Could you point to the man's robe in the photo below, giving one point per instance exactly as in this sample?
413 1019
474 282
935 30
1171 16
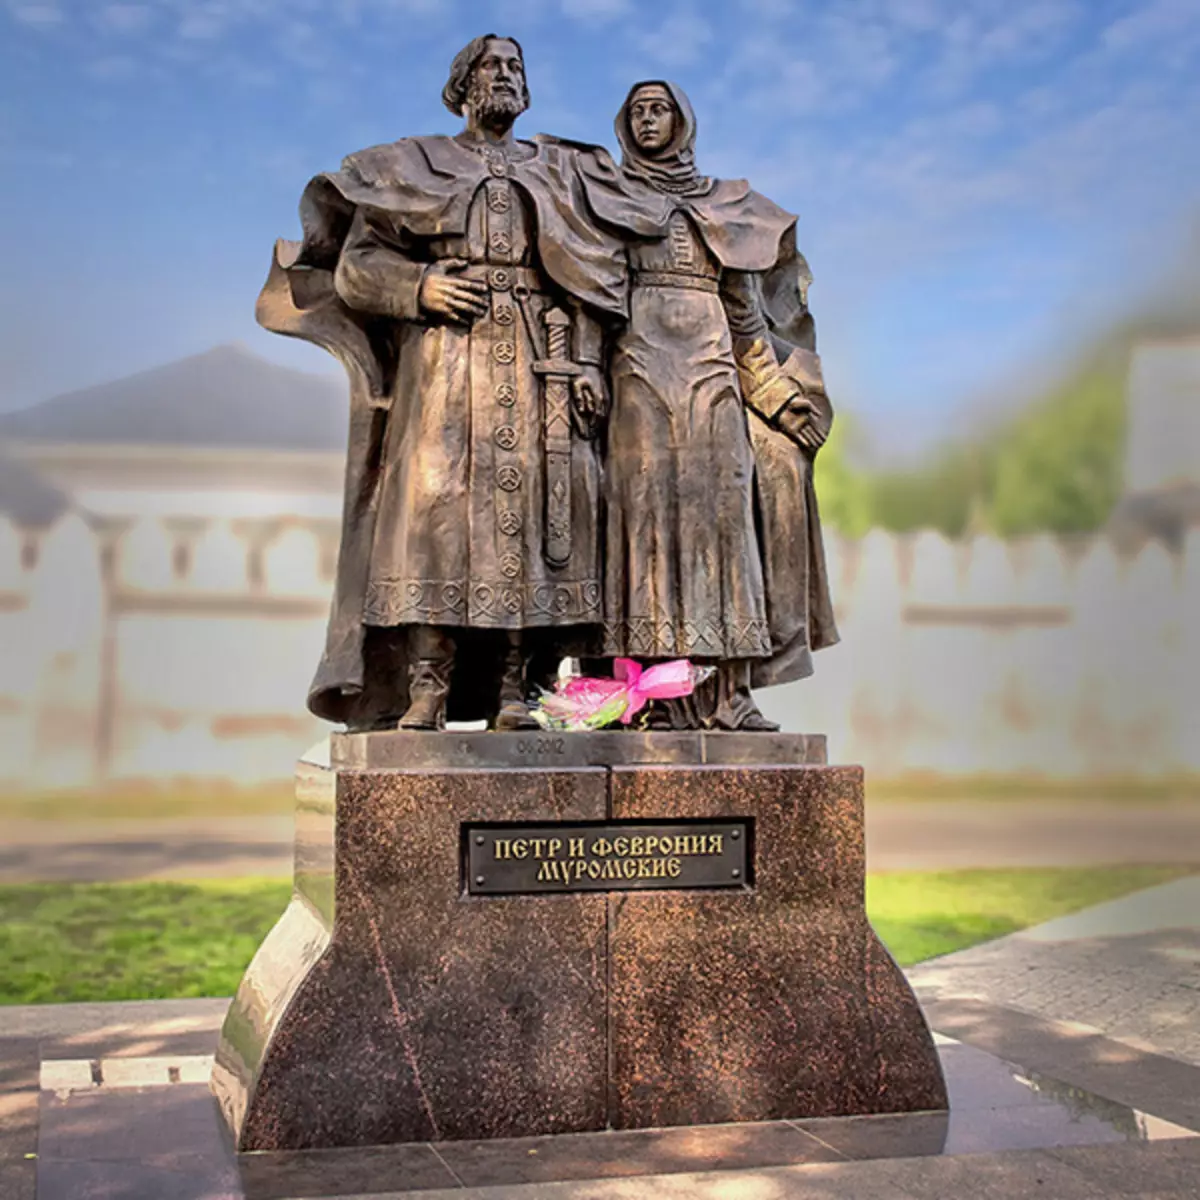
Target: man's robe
446 490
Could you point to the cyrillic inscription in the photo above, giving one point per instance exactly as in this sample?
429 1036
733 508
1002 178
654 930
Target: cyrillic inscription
615 856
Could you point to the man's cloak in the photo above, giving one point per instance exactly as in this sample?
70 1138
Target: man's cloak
422 187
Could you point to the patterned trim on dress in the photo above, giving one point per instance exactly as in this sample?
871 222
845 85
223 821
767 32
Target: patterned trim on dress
498 604
651 637
701 283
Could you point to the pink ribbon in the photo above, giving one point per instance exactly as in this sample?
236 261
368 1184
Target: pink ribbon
663 681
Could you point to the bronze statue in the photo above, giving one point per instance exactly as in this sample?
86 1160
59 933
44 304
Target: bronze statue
713 546
466 292
485 295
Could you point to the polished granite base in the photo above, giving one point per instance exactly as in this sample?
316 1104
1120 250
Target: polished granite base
409 750
157 1143
389 1006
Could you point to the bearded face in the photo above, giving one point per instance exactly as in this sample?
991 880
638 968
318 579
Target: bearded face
496 92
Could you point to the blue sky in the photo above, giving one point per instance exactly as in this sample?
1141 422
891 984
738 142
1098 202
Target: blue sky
980 183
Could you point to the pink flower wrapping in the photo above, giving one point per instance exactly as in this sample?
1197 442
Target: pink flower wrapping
584 702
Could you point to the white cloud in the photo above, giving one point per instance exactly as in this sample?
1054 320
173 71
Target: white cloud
202 25
594 11
978 39
1153 21
124 18
769 10
112 67
919 132
679 41
1026 30
411 8
922 16
36 15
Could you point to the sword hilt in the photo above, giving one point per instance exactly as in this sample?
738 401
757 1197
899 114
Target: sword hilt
558 326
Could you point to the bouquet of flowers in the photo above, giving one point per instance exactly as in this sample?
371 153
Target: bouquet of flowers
584 702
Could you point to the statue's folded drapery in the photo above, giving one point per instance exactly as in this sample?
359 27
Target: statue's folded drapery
714 545
799 605
444 499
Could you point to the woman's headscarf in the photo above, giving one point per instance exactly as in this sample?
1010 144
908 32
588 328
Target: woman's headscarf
673 169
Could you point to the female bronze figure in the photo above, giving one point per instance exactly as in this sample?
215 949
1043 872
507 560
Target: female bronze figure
691 570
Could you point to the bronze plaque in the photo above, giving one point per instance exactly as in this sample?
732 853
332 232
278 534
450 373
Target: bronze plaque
607 856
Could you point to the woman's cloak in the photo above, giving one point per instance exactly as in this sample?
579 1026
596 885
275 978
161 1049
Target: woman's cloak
747 232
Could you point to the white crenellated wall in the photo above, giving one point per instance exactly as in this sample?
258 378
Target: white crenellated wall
52 613
157 647
161 647
19 666
1007 657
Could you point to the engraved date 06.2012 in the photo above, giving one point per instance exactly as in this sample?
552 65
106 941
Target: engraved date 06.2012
539 747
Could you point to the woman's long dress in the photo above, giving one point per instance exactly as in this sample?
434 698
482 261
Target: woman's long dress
683 573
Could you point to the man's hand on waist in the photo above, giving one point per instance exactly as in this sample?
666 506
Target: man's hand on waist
445 293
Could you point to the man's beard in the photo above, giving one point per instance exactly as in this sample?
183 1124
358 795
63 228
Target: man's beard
494 109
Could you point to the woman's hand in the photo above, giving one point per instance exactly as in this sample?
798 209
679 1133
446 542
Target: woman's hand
796 420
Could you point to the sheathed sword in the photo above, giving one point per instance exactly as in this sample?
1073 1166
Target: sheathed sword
556 371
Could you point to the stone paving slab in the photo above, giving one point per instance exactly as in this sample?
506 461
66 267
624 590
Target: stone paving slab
18 1100
1160 1172
1129 969
1099 1068
19 1060
161 1142
18 1180
129 1028
1076 1055
1171 1168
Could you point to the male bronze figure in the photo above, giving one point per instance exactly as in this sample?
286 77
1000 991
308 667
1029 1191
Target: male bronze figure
465 290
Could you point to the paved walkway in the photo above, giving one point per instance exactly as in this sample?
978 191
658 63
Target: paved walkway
1129 969
954 834
1104 1001
926 836
1164 1172
190 848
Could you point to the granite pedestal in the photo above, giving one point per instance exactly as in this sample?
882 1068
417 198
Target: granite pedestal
390 1005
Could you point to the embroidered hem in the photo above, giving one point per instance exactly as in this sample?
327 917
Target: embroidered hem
647 637
481 603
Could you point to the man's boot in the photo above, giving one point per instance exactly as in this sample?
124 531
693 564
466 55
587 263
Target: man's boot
514 714
735 708
430 662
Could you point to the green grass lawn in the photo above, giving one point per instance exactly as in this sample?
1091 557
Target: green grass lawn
923 914
132 941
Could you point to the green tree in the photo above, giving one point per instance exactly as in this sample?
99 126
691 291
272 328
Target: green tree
1056 466
1059 466
843 490
946 494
